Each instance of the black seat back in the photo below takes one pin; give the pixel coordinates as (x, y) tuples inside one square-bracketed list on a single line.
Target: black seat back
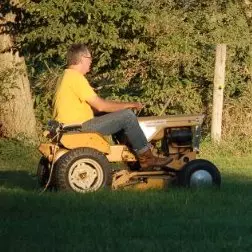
[(55, 127)]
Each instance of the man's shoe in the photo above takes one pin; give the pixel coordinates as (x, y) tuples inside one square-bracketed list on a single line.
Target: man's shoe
[(148, 161)]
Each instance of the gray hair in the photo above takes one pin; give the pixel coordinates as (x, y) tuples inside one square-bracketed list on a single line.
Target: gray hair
[(74, 53)]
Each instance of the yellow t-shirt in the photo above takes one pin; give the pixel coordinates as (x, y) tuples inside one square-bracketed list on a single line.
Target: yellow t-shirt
[(69, 103)]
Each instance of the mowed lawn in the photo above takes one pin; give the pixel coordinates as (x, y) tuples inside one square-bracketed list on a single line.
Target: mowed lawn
[(173, 220)]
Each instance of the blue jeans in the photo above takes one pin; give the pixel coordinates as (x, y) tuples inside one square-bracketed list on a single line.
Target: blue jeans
[(123, 120)]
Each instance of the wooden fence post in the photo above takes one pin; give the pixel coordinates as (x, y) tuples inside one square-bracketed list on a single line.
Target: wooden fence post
[(219, 80)]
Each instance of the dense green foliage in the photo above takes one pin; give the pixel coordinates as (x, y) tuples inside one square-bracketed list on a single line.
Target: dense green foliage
[(158, 52)]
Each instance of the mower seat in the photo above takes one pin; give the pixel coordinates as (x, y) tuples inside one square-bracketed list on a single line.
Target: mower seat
[(56, 127), (71, 127), (53, 125)]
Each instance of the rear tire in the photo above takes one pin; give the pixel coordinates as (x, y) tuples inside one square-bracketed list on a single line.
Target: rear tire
[(82, 170), (43, 172), (199, 173)]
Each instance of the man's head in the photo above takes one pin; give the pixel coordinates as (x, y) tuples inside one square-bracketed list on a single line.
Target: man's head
[(79, 57)]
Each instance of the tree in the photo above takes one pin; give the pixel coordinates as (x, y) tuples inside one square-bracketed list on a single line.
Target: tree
[(247, 9), (17, 119)]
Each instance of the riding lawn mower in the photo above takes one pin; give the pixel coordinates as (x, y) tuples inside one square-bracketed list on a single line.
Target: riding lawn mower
[(87, 161)]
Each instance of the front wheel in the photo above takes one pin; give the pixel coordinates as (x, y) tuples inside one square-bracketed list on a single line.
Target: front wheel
[(199, 173), (82, 170)]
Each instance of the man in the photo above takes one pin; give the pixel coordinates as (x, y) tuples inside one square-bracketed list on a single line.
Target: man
[(75, 101)]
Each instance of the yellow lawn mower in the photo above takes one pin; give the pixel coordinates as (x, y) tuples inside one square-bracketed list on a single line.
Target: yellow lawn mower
[(85, 161)]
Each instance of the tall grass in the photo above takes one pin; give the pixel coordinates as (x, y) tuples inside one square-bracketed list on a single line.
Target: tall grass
[(237, 117)]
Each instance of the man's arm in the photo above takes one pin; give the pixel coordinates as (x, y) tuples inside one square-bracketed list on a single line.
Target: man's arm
[(102, 105)]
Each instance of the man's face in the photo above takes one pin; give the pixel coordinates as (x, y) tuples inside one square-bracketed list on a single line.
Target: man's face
[(86, 60)]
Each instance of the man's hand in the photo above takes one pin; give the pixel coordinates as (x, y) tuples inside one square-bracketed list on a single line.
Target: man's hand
[(136, 105)]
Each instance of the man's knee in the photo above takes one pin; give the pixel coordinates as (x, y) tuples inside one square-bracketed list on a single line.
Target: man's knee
[(129, 114)]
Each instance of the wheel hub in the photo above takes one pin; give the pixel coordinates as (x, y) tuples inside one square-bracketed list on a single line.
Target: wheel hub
[(201, 178), (85, 175)]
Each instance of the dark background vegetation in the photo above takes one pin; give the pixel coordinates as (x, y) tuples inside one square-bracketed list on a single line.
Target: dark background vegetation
[(148, 51)]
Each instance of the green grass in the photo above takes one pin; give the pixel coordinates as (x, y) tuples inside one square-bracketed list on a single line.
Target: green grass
[(173, 220)]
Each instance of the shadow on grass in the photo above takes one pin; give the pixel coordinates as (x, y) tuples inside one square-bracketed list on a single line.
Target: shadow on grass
[(28, 182), (18, 179)]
